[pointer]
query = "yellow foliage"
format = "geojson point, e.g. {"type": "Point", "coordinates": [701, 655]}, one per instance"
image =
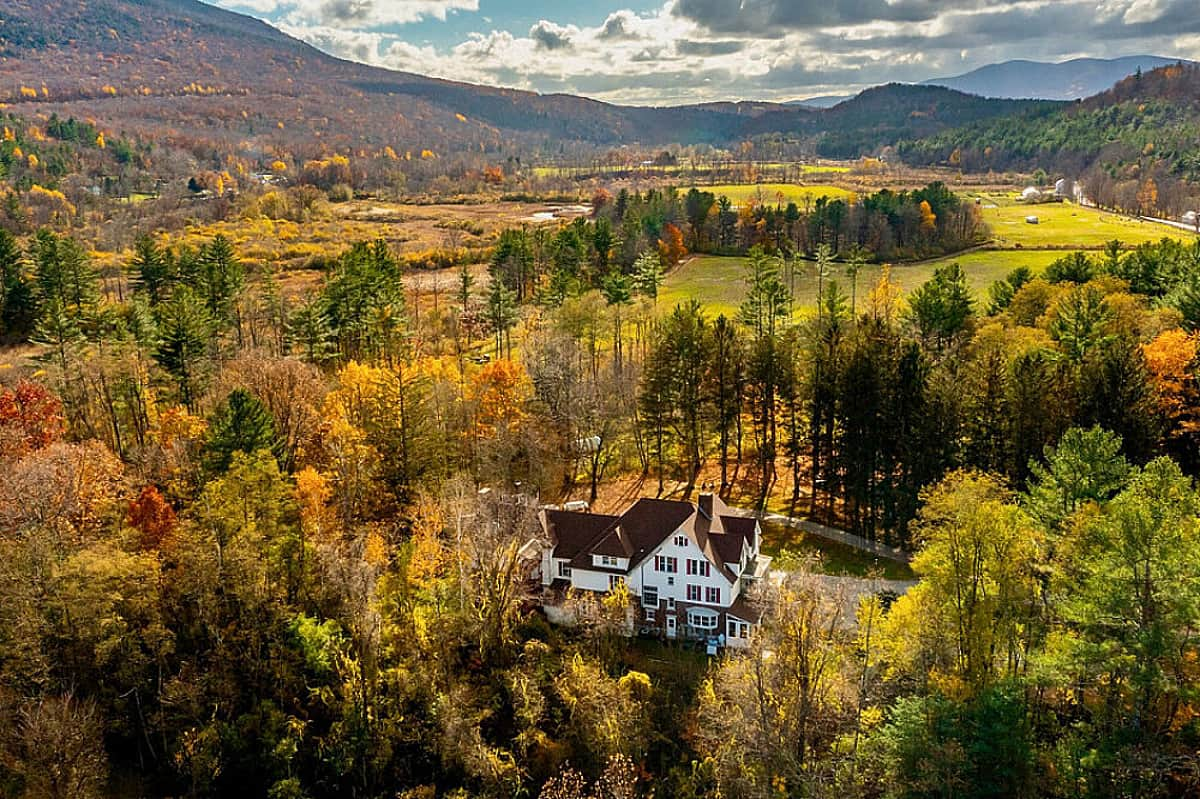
{"type": "Point", "coordinates": [499, 392]}
{"type": "Point", "coordinates": [278, 166]}
{"type": "Point", "coordinates": [8, 134]}
{"type": "Point", "coordinates": [390, 154]}
{"type": "Point", "coordinates": [178, 424]}
{"type": "Point", "coordinates": [109, 90]}
{"type": "Point", "coordinates": [427, 154]}
{"type": "Point", "coordinates": [18, 152]}
{"type": "Point", "coordinates": [460, 117]}
{"type": "Point", "coordinates": [375, 551]}
{"type": "Point", "coordinates": [100, 140]}
{"type": "Point", "coordinates": [28, 91]}
{"type": "Point", "coordinates": [35, 134]}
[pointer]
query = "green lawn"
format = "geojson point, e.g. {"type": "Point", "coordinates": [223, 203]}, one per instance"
{"type": "Point", "coordinates": [719, 282]}
{"type": "Point", "coordinates": [1065, 225]}
{"type": "Point", "coordinates": [774, 193]}
{"type": "Point", "coordinates": [789, 545]}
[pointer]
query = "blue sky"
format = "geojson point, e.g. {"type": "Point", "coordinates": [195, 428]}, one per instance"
{"type": "Point", "coordinates": [683, 51]}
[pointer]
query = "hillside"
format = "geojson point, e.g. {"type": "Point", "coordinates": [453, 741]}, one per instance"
{"type": "Point", "coordinates": [1067, 80]}
{"type": "Point", "coordinates": [1146, 125]}
{"type": "Point", "coordinates": [887, 114]}
{"type": "Point", "coordinates": [192, 75]}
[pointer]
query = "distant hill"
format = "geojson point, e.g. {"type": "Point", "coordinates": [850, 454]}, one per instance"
{"type": "Point", "coordinates": [821, 101]}
{"type": "Point", "coordinates": [1146, 124]}
{"type": "Point", "coordinates": [1067, 80]}
{"type": "Point", "coordinates": [887, 114]}
{"type": "Point", "coordinates": [191, 74]}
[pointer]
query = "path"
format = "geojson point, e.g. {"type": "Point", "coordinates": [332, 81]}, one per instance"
{"type": "Point", "coordinates": [831, 534]}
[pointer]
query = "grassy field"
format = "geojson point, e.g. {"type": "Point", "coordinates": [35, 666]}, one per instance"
{"type": "Point", "coordinates": [773, 193]}
{"type": "Point", "coordinates": [1065, 225]}
{"type": "Point", "coordinates": [787, 544]}
{"type": "Point", "coordinates": [719, 282]}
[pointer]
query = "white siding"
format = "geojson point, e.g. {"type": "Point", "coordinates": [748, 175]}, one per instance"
{"type": "Point", "coordinates": [674, 585]}
{"type": "Point", "coordinates": [588, 580]}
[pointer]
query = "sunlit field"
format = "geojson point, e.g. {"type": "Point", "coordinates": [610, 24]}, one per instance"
{"type": "Point", "coordinates": [1066, 225]}
{"type": "Point", "coordinates": [776, 193]}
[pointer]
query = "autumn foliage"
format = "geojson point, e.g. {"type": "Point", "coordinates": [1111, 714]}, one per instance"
{"type": "Point", "coordinates": [152, 516]}
{"type": "Point", "coordinates": [30, 418]}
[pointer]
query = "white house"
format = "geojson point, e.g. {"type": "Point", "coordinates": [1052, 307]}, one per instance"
{"type": "Point", "coordinates": [688, 565]}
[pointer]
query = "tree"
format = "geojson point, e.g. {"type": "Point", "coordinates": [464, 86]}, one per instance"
{"type": "Point", "coordinates": [648, 274]}
{"type": "Point", "coordinates": [697, 205]}
{"type": "Point", "coordinates": [671, 247]}
{"type": "Point", "coordinates": [311, 333]}
{"type": "Point", "coordinates": [1130, 604]}
{"type": "Point", "coordinates": [185, 330]}
{"type": "Point", "coordinates": [503, 315]}
{"type": "Point", "coordinates": [30, 418]}
{"type": "Point", "coordinates": [724, 384]}
{"type": "Point", "coordinates": [941, 307]}
{"type": "Point", "coordinates": [242, 424]}
{"type": "Point", "coordinates": [1078, 321]}
{"type": "Point", "coordinates": [18, 299]}
{"type": "Point", "coordinates": [977, 558]}
{"type": "Point", "coordinates": [1085, 467]}
{"type": "Point", "coordinates": [62, 749]}
{"type": "Point", "coordinates": [153, 269]}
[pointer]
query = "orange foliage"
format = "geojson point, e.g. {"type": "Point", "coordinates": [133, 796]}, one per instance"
{"type": "Point", "coordinates": [30, 418]}
{"type": "Point", "coordinates": [671, 246]}
{"type": "Point", "coordinates": [1171, 359]}
{"type": "Point", "coordinates": [928, 217]}
{"type": "Point", "coordinates": [499, 392]}
{"type": "Point", "coordinates": [152, 516]}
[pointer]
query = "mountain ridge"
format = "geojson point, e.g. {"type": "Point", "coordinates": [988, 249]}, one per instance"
{"type": "Point", "coordinates": [1074, 79]}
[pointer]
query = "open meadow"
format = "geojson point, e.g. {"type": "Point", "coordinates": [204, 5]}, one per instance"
{"type": "Point", "coordinates": [718, 282]}
{"type": "Point", "coordinates": [776, 193]}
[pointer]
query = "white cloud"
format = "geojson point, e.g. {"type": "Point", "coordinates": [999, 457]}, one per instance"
{"type": "Point", "coordinates": [666, 56]}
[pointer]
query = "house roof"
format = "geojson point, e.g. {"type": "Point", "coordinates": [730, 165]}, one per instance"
{"type": "Point", "coordinates": [572, 533]}
{"type": "Point", "coordinates": [644, 526]}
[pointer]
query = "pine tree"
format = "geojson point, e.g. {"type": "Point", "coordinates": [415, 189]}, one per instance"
{"type": "Point", "coordinates": [185, 334]}
{"type": "Point", "coordinates": [309, 330]}
{"type": "Point", "coordinates": [242, 424]}
{"type": "Point", "coordinates": [18, 300]}
{"type": "Point", "coordinates": [153, 269]}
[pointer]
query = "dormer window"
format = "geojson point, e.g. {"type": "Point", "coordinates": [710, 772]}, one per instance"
{"type": "Point", "coordinates": [608, 560]}
{"type": "Point", "coordinates": [681, 541]}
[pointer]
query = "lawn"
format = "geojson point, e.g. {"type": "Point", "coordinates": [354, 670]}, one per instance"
{"type": "Point", "coordinates": [775, 193]}
{"type": "Point", "coordinates": [719, 282]}
{"type": "Point", "coordinates": [787, 544]}
{"type": "Point", "coordinates": [1066, 225]}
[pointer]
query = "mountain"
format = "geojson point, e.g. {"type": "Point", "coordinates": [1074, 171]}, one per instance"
{"type": "Point", "coordinates": [1067, 80]}
{"type": "Point", "coordinates": [1146, 125]}
{"type": "Point", "coordinates": [202, 78]}
{"type": "Point", "coordinates": [886, 114]}
{"type": "Point", "coordinates": [821, 101]}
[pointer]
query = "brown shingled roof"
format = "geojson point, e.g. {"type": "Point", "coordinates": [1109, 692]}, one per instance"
{"type": "Point", "coordinates": [645, 525]}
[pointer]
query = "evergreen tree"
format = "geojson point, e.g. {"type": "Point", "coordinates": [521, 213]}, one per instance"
{"type": "Point", "coordinates": [18, 298]}
{"type": "Point", "coordinates": [185, 335]}
{"type": "Point", "coordinates": [153, 269]}
{"type": "Point", "coordinates": [940, 309]}
{"type": "Point", "coordinates": [309, 330]}
{"type": "Point", "coordinates": [648, 274]}
{"type": "Point", "coordinates": [222, 278]}
{"type": "Point", "coordinates": [242, 424]}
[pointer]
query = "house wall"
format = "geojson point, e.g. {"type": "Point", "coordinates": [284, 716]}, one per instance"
{"type": "Point", "coordinates": [587, 580]}
{"type": "Point", "coordinates": [674, 585]}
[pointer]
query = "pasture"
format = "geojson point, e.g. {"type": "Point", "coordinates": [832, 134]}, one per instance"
{"type": "Point", "coordinates": [775, 193]}
{"type": "Point", "coordinates": [719, 282]}
{"type": "Point", "coordinates": [1065, 225]}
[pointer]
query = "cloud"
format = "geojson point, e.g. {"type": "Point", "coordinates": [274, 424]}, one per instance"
{"type": "Point", "coordinates": [689, 51]}
{"type": "Point", "coordinates": [363, 13]}
{"type": "Point", "coordinates": [550, 36]}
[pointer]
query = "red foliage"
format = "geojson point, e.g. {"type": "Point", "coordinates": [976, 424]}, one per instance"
{"type": "Point", "coordinates": [152, 516]}
{"type": "Point", "coordinates": [31, 417]}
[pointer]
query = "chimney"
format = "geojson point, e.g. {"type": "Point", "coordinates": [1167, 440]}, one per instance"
{"type": "Point", "coordinates": [706, 504]}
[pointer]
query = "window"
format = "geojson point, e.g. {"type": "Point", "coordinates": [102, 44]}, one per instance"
{"type": "Point", "coordinates": [681, 540]}
{"type": "Point", "coordinates": [564, 569]}
{"type": "Point", "coordinates": [738, 629]}
{"type": "Point", "coordinates": [693, 593]}
{"type": "Point", "coordinates": [670, 603]}
{"type": "Point", "coordinates": [712, 595]}
{"type": "Point", "coordinates": [608, 560]}
{"type": "Point", "coordinates": [700, 568]}
{"type": "Point", "coordinates": [615, 580]}
{"type": "Point", "coordinates": [651, 613]}
{"type": "Point", "coordinates": [702, 619]}
{"type": "Point", "coordinates": [649, 596]}
{"type": "Point", "coordinates": [670, 581]}
{"type": "Point", "coordinates": [662, 563]}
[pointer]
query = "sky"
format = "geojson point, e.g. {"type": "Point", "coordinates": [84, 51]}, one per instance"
{"type": "Point", "coordinates": [651, 52]}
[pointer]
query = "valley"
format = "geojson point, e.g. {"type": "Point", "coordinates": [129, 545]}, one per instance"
{"type": "Point", "coordinates": [378, 434]}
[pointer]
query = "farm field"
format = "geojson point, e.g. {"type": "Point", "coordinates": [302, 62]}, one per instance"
{"type": "Point", "coordinates": [1066, 225]}
{"type": "Point", "coordinates": [775, 192]}
{"type": "Point", "coordinates": [718, 282]}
